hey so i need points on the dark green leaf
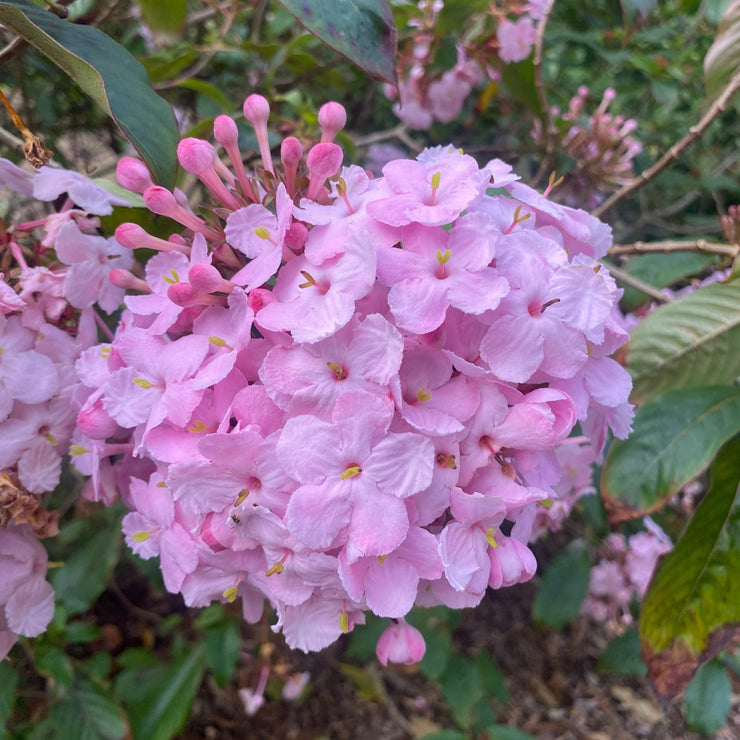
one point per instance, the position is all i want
(363, 31)
(491, 678)
(502, 732)
(661, 271)
(85, 572)
(222, 651)
(444, 735)
(55, 663)
(165, 16)
(439, 647)
(622, 655)
(708, 698)
(691, 609)
(109, 74)
(461, 687)
(674, 439)
(158, 699)
(362, 641)
(692, 341)
(8, 682)
(563, 588)
(85, 713)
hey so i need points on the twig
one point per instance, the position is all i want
(10, 140)
(700, 245)
(11, 49)
(551, 133)
(694, 133)
(399, 132)
(627, 279)
(386, 699)
(33, 148)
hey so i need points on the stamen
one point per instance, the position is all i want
(423, 395)
(436, 177)
(351, 472)
(491, 539)
(338, 370)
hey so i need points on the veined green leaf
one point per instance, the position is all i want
(691, 609)
(674, 439)
(363, 31)
(109, 74)
(692, 341)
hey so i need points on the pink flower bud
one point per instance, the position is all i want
(195, 156)
(207, 279)
(400, 643)
(225, 131)
(323, 161)
(127, 281)
(291, 151)
(332, 119)
(183, 294)
(94, 422)
(133, 236)
(133, 174)
(295, 236)
(256, 110)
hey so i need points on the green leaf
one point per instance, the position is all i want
(723, 58)
(692, 341)
(708, 698)
(563, 588)
(445, 735)
(437, 655)
(461, 687)
(222, 651)
(660, 271)
(622, 655)
(8, 682)
(85, 713)
(674, 438)
(502, 732)
(52, 661)
(363, 31)
(158, 699)
(164, 16)
(85, 572)
(362, 642)
(691, 610)
(109, 74)
(491, 678)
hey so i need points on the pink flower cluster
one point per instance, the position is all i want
(601, 145)
(623, 573)
(57, 268)
(425, 93)
(338, 393)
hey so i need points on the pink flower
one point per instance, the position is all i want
(515, 39)
(400, 643)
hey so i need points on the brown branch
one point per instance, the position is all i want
(627, 279)
(700, 245)
(34, 150)
(551, 133)
(719, 106)
(399, 132)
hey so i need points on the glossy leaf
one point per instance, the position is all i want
(674, 439)
(691, 610)
(692, 341)
(158, 698)
(708, 698)
(723, 58)
(109, 74)
(563, 588)
(363, 31)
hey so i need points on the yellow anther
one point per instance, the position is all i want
(49, 437)
(77, 450)
(172, 280)
(423, 394)
(142, 383)
(351, 472)
(491, 539)
(217, 341)
(442, 258)
(242, 497)
(546, 503)
(106, 352)
(518, 218)
(381, 558)
(197, 427)
(436, 177)
(341, 186)
(277, 568)
(309, 280)
(230, 594)
(552, 182)
(161, 484)
(140, 536)
(262, 232)
(338, 370)
(344, 622)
